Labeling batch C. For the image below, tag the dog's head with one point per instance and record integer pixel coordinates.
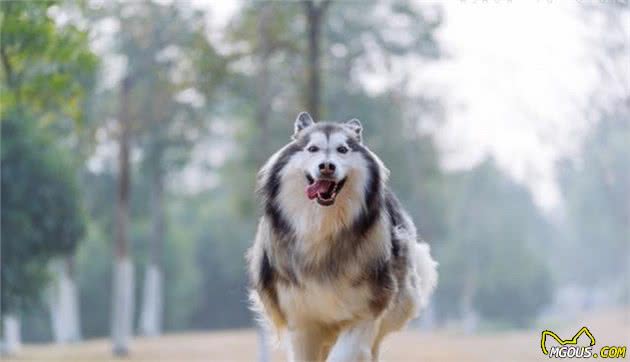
(322, 181)
(329, 155)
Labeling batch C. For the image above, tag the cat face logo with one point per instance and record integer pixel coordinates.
(569, 348)
(565, 342)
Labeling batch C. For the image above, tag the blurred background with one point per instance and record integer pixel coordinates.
(132, 132)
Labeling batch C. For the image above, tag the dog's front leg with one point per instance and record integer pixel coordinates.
(305, 344)
(355, 343)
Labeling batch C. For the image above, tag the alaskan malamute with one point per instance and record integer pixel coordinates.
(336, 262)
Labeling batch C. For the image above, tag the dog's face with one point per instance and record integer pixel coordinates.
(323, 181)
(329, 156)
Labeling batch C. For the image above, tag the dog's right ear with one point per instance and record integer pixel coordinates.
(355, 126)
(303, 121)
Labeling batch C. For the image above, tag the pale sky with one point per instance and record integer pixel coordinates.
(517, 80)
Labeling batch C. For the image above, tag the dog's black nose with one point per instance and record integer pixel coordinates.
(327, 168)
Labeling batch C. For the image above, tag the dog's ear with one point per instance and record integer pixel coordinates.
(355, 126)
(303, 121)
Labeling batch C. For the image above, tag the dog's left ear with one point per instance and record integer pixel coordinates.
(303, 120)
(355, 126)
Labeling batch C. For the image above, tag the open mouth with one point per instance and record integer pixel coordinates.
(323, 190)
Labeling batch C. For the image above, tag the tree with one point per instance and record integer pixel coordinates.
(596, 193)
(41, 217)
(314, 13)
(167, 113)
(489, 262)
(595, 187)
(166, 133)
(47, 70)
(123, 280)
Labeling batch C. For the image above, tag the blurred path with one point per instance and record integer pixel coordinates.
(612, 328)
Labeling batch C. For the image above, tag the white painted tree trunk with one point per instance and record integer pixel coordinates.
(12, 337)
(122, 305)
(152, 303)
(263, 345)
(427, 320)
(153, 296)
(64, 304)
(470, 321)
(470, 318)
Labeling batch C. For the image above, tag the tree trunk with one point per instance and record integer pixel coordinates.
(122, 302)
(12, 337)
(264, 98)
(411, 158)
(64, 303)
(470, 319)
(314, 19)
(427, 320)
(152, 304)
(263, 81)
(314, 82)
(122, 305)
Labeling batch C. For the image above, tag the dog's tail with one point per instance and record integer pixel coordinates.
(425, 268)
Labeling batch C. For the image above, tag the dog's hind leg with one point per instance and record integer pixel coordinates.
(392, 320)
(355, 343)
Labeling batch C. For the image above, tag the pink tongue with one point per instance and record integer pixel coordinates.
(317, 187)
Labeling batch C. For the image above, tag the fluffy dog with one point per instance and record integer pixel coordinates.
(336, 262)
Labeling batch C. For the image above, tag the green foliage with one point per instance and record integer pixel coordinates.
(219, 251)
(596, 192)
(492, 256)
(93, 265)
(46, 69)
(167, 53)
(420, 23)
(514, 284)
(41, 211)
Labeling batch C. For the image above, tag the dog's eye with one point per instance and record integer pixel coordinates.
(313, 149)
(342, 149)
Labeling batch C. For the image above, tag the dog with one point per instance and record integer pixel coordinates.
(336, 262)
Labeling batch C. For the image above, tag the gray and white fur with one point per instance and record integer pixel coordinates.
(336, 263)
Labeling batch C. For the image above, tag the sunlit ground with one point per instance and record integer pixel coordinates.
(609, 328)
